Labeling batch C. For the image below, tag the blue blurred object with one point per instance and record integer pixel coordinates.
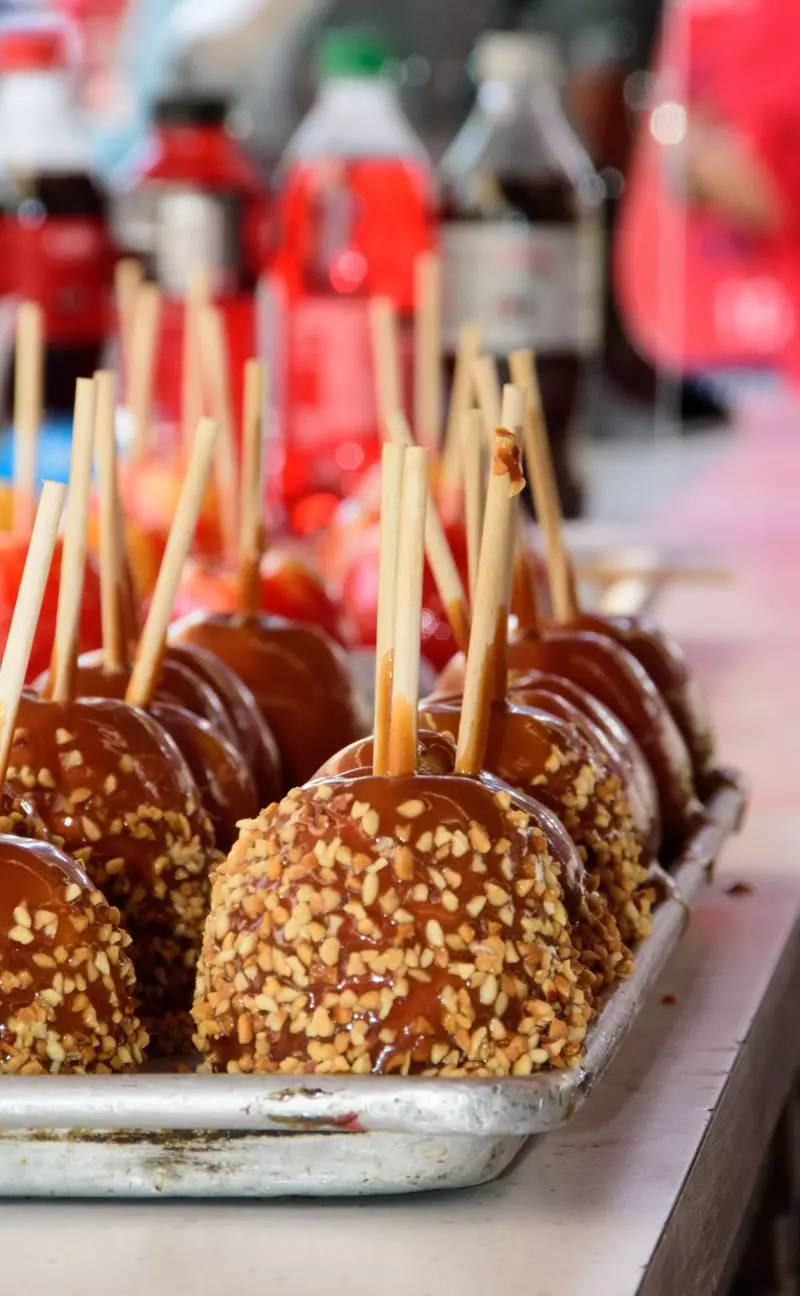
(55, 445)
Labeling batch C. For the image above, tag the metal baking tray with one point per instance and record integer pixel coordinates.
(186, 1135)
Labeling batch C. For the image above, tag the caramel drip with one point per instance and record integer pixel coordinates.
(249, 585)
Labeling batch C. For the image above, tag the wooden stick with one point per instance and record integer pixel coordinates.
(438, 551)
(111, 562)
(28, 402)
(487, 389)
(491, 613)
(151, 645)
(470, 338)
(21, 633)
(386, 358)
(73, 559)
(473, 442)
(216, 369)
(512, 417)
(198, 295)
(144, 340)
(391, 502)
(410, 565)
(251, 538)
(428, 350)
(539, 461)
(127, 282)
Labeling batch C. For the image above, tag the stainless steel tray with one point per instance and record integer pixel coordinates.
(184, 1135)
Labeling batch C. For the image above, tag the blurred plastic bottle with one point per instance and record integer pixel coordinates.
(55, 246)
(521, 238)
(356, 207)
(192, 199)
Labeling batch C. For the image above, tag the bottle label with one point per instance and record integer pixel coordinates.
(65, 263)
(194, 227)
(330, 373)
(527, 286)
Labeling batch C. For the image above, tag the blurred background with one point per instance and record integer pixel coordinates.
(601, 179)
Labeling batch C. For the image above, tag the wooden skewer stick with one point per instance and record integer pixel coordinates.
(487, 386)
(487, 389)
(216, 367)
(73, 559)
(410, 565)
(473, 441)
(491, 613)
(28, 401)
(251, 538)
(127, 282)
(21, 633)
(144, 340)
(111, 559)
(470, 338)
(391, 502)
(151, 645)
(438, 551)
(539, 462)
(428, 350)
(519, 593)
(386, 358)
(198, 296)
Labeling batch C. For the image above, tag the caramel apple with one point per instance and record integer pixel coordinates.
(606, 670)
(113, 787)
(253, 736)
(67, 985)
(412, 925)
(548, 759)
(665, 662)
(297, 675)
(226, 786)
(623, 758)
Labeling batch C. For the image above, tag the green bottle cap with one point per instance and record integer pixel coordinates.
(350, 52)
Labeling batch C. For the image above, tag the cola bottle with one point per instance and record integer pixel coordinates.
(521, 235)
(55, 246)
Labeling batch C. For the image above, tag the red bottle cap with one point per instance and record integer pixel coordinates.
(26, 50)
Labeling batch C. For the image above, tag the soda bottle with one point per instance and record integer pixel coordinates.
(521, 235)
(356, 201)
(55, 246)
(194, 199)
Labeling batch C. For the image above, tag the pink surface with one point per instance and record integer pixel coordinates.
(744, 638)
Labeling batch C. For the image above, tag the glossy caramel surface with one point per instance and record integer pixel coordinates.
(436, 754)
(254, 737)
(298, 677)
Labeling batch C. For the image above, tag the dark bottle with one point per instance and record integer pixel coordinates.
(54, 241)
(521, 233)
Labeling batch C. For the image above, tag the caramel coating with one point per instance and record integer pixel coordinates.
(177, 684)
(637, 773)
(66, 978)
(254, 738)
(665, 662)
(109, 781)
(226, 786)
(298, 676)
(546, 758)
(610, 673)
(436, 754)
(412, 924)
(642, 806)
